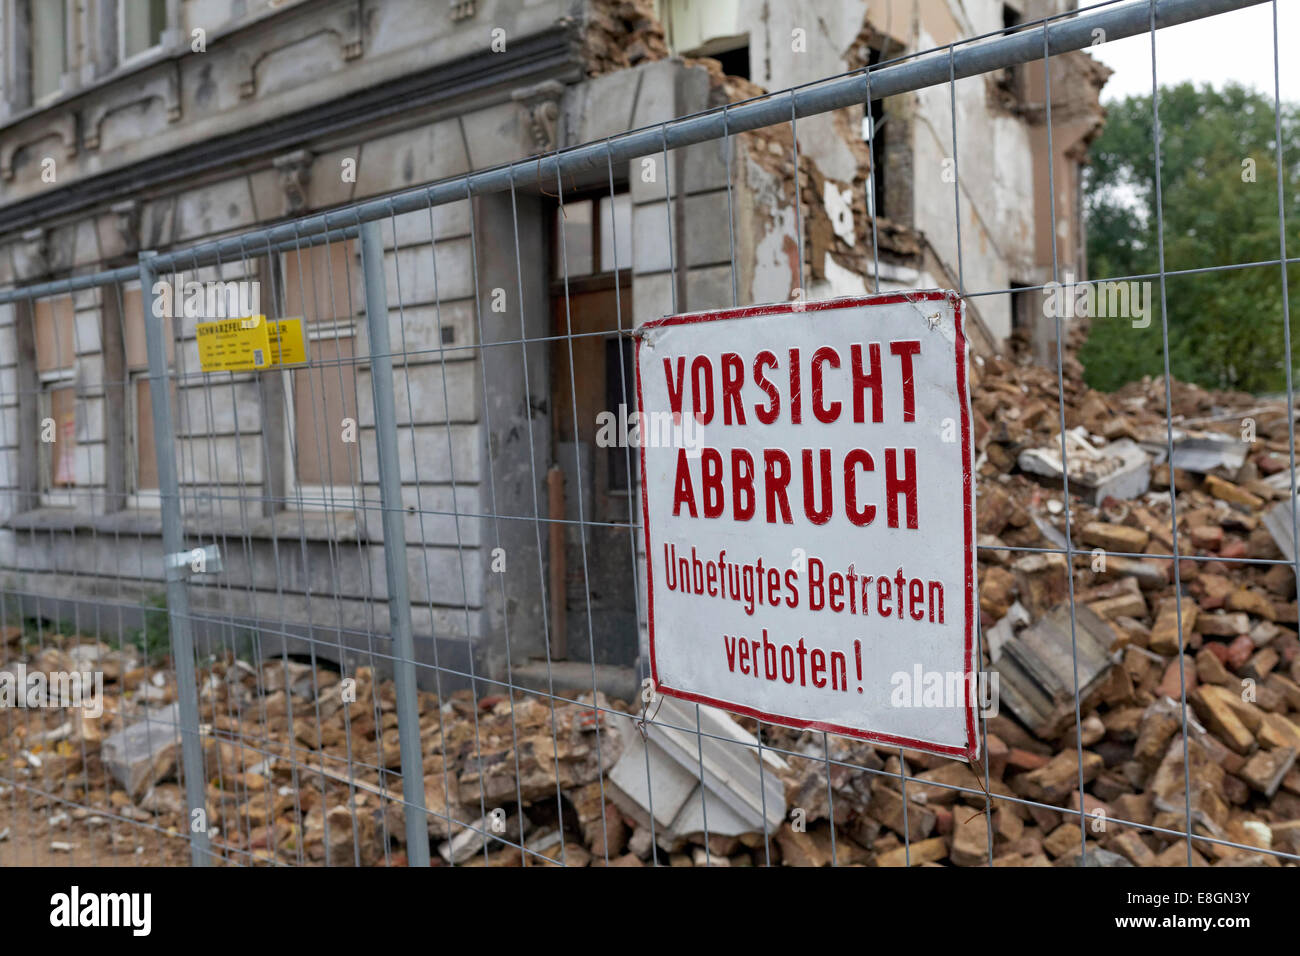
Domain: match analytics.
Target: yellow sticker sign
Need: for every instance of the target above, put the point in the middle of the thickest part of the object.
(288, 347)
(234, 345)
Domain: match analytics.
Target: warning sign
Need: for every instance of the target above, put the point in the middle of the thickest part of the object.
(234, 345)
(809, 519)
(287, 344)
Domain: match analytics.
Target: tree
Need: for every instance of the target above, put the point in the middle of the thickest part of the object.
(1218, 180)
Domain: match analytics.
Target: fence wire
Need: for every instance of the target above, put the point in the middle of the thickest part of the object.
(324, 603)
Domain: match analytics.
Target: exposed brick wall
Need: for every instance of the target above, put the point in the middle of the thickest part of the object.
(621, 33)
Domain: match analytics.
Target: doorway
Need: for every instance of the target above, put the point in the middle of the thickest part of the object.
(593, 392)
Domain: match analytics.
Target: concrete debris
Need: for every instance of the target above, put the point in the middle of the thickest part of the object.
(727, 799)
(474, 838)
(144, 753)
(1201, 452)
(1038, 667)
(1005, 630)
(1280, 521)
(1119, 469)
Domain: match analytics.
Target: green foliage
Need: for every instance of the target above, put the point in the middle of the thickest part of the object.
(154, 640)
(41, 632)
(37, 632)
(1225, 328)
(245, 645)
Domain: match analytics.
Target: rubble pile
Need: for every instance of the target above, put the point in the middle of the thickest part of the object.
(87, 773)
(304, 766)
(1235, 624)
(619, 34)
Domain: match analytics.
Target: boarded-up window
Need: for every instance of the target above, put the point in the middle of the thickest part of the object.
(137, 351)
(133, 334)
(62, 405)
(56, 347)
(56, 366)
(322, 283)
(144, 463)
(324, 394)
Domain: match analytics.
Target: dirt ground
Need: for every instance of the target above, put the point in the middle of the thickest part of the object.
(31, 839)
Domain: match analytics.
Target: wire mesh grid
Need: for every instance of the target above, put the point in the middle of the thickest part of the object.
(355, 595)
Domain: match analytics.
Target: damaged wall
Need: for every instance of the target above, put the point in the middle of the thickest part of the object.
(697, 245)
(1000, 167)
(710, 225)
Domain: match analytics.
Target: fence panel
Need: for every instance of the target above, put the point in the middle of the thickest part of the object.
(368, 587)
(84, 617)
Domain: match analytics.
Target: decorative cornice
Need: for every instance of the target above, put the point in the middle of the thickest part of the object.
(167, 92)
(348, 38)
(63, 126)
(551, 53)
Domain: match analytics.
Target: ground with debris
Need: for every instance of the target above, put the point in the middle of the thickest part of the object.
(303, 765)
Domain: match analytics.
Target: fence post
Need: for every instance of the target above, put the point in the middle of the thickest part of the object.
(178, 601)
(394, 525)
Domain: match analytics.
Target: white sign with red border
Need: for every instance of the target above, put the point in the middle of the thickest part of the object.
(809, 516)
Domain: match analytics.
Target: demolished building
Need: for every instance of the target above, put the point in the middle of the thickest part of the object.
(209, 119)
(1097, 640)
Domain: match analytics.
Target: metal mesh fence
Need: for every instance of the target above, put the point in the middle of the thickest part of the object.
(383, 601)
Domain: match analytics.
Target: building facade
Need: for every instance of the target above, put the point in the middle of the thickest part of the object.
(132, 125)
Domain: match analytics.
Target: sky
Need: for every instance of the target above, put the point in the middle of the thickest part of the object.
(1235, 46)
